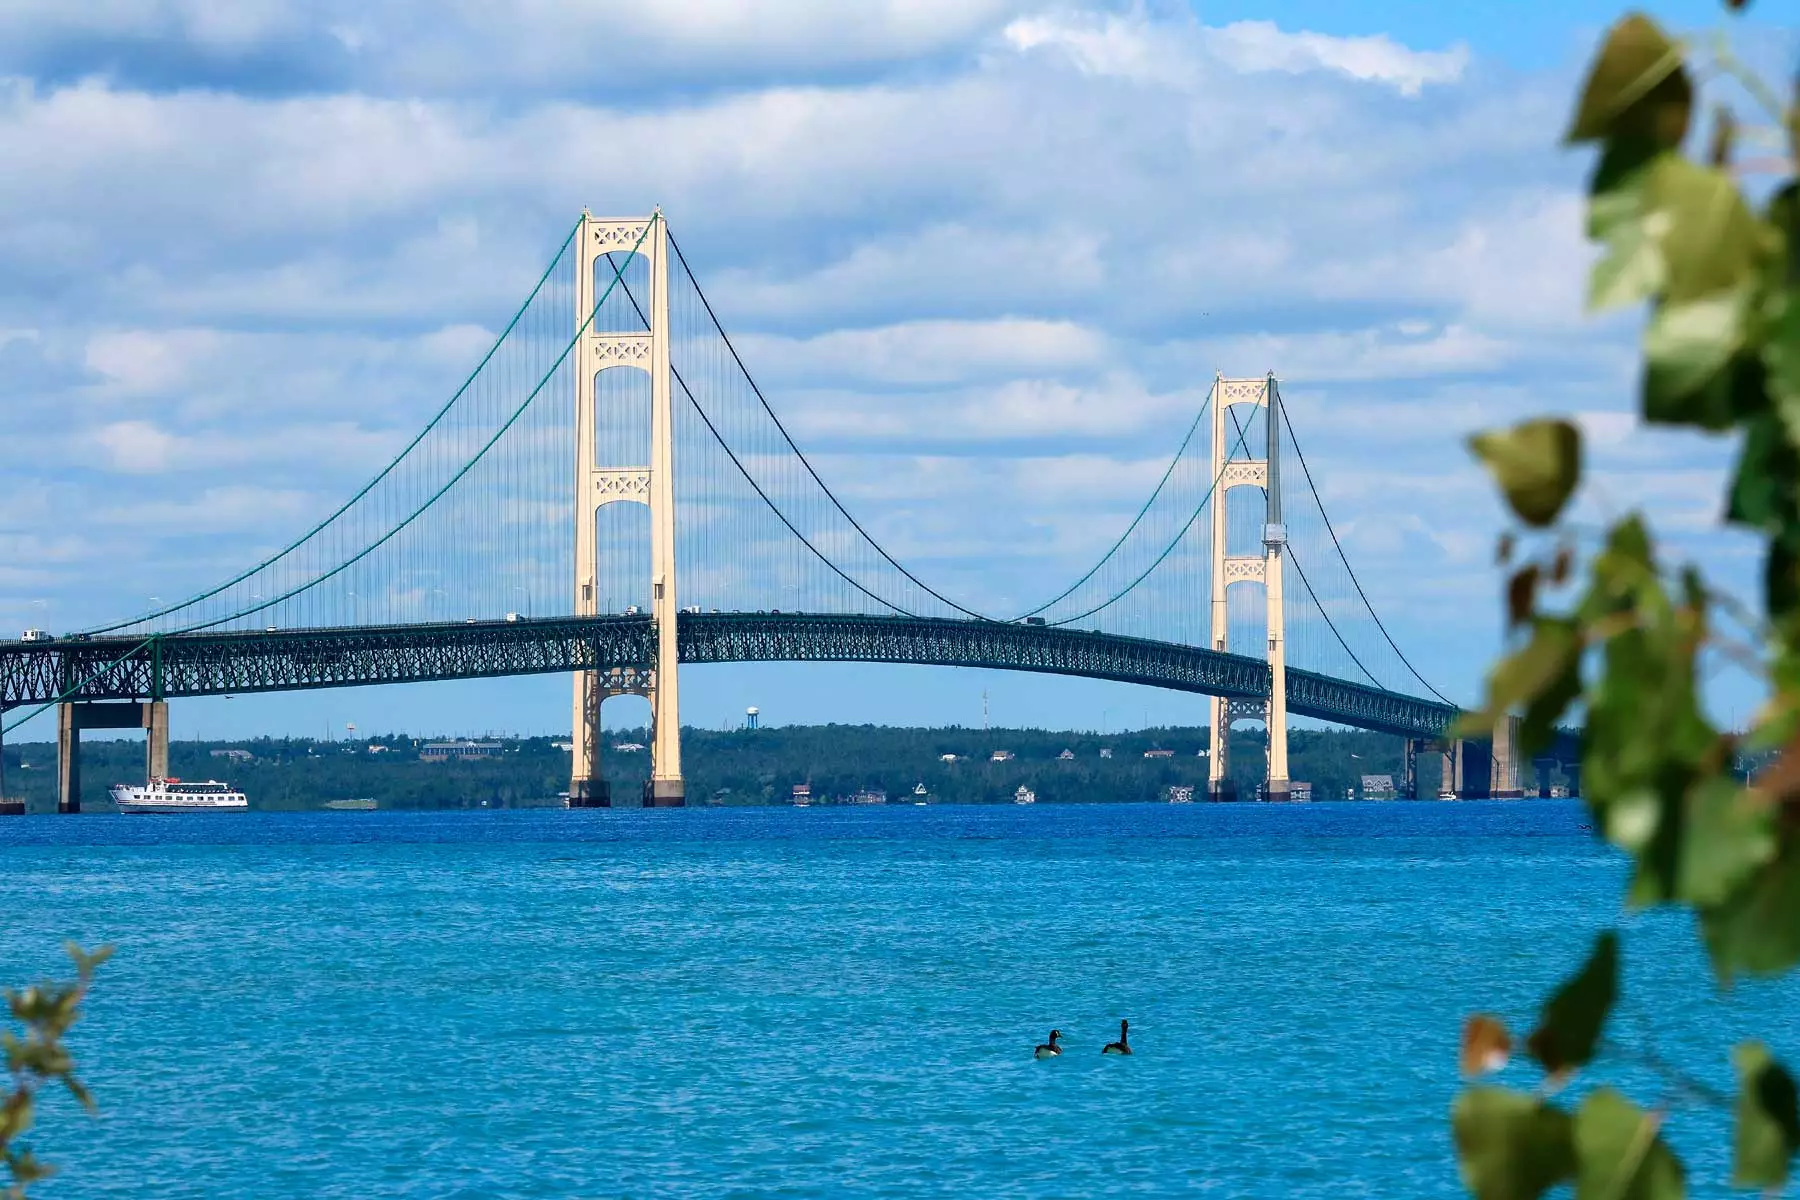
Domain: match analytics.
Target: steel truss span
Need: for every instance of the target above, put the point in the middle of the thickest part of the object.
(211, 664)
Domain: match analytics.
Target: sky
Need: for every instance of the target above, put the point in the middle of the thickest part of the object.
(983, 255)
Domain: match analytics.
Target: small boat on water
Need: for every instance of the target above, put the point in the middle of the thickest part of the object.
(174, 796)
(1446, 794)
(1024, 795)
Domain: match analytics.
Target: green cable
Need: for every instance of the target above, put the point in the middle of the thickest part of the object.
(70, 691)
(466, 467)
(1167, 550)
(294, 545)
(1173, 463)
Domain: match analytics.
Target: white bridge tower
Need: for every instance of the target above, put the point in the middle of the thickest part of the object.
(1264, 568)
(652, 484)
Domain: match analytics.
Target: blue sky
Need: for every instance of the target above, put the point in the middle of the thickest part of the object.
(252, 243)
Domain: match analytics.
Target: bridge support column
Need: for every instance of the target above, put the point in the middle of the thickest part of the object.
(68, 760)
(1503, 779)
(1264, 568)
(1452, 769)
(587, 785)
(1274, 542)
(71, 718)
(1543, 768)
(651, 484)
(1218, 709)
(156, 740)
(1409, 769)
(1572, 772)
(8, 807)
(1474, 769)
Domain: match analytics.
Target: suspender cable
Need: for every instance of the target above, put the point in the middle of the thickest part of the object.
(1307, 471)
(384, 472)
(832, 496)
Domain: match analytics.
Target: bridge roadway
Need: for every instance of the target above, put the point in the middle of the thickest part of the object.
(211, 664)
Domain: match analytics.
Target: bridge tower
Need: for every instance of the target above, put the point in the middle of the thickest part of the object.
(652, 484)
(1264, 568)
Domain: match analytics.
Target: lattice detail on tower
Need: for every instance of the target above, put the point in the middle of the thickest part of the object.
(615, 349)
(622, 485)
(1242, 567)
(617, 235)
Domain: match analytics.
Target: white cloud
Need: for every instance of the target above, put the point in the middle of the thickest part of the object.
(1261, 46)
(136, 361)
(984, 257)
(916, 352)
(1139, 48)
(136, 447)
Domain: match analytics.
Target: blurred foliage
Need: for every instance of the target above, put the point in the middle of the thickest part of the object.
(1608, 636)
(36, 1057)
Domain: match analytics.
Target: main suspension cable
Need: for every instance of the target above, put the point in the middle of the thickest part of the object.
(1114, 548)
(1167, 550)
(1355, 582)
(382, 474)
(451, 482)
(804, 461)
(618, 277)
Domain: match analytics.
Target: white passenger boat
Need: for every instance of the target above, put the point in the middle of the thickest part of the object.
(174, 796)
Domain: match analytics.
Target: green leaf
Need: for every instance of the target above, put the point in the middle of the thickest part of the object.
(1768, 1119)
(1537, 465)
(1543, 674)
(1765, 491)
(1711, 241)
(1569, 1030)
(1510, 1146)
(1619, 203)
(1755, 932)
(1781, 341)
(1537, 727)
(1697, 370)
(1619, 1153)
(1637, 87)
(1727, 834)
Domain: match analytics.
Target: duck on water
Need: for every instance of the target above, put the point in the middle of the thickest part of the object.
(1051, 1048)
(1122, 1046)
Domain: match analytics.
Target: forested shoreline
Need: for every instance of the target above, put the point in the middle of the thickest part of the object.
(740, 767)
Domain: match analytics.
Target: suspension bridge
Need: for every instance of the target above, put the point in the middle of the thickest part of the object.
(610, 494)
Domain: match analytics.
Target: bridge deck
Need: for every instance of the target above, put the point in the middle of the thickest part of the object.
(209, 664)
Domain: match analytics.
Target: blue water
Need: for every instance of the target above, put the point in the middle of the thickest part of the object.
(822, 1002)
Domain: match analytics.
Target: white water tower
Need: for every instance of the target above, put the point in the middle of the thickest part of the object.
(750, 715)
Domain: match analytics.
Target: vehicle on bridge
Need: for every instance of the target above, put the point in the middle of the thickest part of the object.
(37, 635)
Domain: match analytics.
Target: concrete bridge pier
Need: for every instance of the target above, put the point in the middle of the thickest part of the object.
(8, 808)
(1409, 769)
(1474, 769)
(1544, 768)
(1503, 782)
(152, 716)
(587, 782)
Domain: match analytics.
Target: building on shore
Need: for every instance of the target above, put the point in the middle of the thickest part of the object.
(1378, 787)
(458, 751)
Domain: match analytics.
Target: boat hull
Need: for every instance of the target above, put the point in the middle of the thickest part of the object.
(159, 799)
(182, 808)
